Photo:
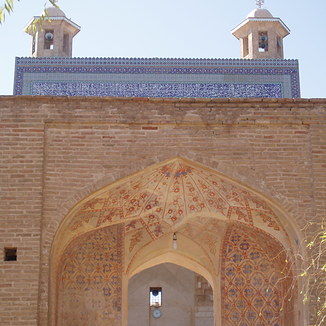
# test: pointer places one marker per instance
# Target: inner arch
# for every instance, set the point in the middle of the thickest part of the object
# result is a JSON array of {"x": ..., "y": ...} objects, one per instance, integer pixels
[{"x": 176, "y": 259}]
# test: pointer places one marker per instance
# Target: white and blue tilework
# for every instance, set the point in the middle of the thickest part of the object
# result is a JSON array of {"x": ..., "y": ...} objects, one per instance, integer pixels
[
  {"x": 185, "y": 90},
  {"x": 180, "y": 78}
]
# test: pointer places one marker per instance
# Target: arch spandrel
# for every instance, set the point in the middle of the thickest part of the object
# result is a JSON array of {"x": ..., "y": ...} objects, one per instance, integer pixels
[{"x": 163, "y": 197}]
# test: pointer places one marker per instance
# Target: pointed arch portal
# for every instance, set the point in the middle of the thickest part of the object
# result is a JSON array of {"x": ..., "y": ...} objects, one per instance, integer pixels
[{"x": 239, "y": 240}]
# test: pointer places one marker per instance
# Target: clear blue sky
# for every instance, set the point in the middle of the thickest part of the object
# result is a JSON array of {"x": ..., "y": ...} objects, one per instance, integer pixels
[{"x": 173, "y": 29}]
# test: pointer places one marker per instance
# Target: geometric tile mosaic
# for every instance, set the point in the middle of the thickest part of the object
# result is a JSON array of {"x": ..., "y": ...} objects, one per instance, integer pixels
[
  {"x": 255, "y": 280},
  {"x": 174, "y": 78}
]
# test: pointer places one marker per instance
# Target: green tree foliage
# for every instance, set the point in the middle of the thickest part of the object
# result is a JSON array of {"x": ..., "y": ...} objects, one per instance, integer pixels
[{"x": 7, "y": 7}]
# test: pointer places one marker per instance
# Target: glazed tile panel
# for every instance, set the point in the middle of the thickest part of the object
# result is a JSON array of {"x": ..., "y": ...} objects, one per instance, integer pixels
[
  {"x": 157, "y": 89},
  {"x": 171, "y": 78}
]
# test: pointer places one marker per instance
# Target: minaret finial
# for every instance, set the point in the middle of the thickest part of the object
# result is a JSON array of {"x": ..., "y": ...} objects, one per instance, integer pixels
[{"x": 260, "y": 3}]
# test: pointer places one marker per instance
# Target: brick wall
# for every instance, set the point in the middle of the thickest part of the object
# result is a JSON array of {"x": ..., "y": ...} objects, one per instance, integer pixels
[
  {"x": 56, "y": 151},
  {"x": 21, "y": 157}
]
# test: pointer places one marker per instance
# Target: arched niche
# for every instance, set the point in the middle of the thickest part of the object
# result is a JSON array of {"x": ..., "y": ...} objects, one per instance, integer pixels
[
  {"x": 175, "y": 196},
  {"x": 177, "y": 259}
]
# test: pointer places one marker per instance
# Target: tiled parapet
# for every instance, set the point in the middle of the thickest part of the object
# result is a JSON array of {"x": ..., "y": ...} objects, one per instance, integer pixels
[{"x": 171, "y": 78}]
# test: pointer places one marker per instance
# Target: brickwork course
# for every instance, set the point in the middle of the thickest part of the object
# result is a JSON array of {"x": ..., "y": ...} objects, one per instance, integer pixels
[{"x": 56, "y": 151}]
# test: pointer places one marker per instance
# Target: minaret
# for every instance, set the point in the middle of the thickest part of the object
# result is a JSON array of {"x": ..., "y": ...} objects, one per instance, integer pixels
[
  {"x": 52, "y": 36},
  {"x": 261, "y": 35}
]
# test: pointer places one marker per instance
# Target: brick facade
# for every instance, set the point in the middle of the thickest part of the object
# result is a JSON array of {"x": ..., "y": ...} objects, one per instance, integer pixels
[{"x": 56, "y": 151}]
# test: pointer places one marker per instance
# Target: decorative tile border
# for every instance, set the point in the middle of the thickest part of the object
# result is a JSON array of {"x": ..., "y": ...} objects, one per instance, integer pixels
[
  {"x": 169, "y": 90},
  {"x": 73, "y": 71},
  {"x": 156, "y": 61}
]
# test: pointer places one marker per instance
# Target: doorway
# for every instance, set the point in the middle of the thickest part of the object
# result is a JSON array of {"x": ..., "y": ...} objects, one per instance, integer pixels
[{"x": 168, "y": 294}]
